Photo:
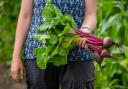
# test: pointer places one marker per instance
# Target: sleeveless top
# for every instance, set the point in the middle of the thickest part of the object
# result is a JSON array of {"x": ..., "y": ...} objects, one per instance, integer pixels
[{"x": 72, "y": 7}]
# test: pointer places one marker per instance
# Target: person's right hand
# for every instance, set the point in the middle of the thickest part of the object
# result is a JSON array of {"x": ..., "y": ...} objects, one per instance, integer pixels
[{"x": 17, "y": 69}]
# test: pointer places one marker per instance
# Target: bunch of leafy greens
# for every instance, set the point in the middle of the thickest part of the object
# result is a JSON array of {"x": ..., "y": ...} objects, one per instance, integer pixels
[{"x": 56, "y": 35}]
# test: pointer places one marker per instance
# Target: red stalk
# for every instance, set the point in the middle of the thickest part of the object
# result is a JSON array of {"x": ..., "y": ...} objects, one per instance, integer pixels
[
  {"x": 89, "y": 36},
  {"x": 95, "y": 43},
  {"x": 95, "y": 48}
]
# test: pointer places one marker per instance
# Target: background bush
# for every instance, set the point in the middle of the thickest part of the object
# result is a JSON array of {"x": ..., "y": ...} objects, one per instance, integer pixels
[{"x": 112, "y": 16}]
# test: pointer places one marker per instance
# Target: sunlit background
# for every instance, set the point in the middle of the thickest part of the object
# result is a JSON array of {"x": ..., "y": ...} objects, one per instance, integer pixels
[{"x": 112, "y": 20}]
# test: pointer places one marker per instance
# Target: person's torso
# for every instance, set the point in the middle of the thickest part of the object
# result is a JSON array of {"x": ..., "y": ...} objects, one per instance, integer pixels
[{"x": 72, "y": 7}]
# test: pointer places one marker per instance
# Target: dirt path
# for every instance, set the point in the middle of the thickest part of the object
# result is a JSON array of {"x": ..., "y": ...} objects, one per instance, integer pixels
[{"x": 6, "y": 82}]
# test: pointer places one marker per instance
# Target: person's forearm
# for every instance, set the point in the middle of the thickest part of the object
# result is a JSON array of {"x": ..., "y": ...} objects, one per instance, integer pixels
[
  {"x": 21, "y": 33},
  {"x": 90, "y": 20},
  {"x": 23, "y": 25}
]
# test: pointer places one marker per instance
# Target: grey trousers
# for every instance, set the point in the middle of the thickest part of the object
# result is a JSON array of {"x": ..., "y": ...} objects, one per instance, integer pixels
[{"x": 71, "y": 76}]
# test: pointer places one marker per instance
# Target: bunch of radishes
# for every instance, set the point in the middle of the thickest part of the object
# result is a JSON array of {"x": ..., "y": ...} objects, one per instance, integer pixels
[{"x": 99, "y": 46}]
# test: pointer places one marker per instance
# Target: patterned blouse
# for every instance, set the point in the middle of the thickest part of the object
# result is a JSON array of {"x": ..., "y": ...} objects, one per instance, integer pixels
[{"x": 72, "y": 7}]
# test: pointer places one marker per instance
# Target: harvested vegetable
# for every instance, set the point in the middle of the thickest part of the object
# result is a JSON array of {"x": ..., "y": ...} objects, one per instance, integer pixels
[
  {"x": 94, "y": 43},
  {"x": 56, "y": 35},
  {"x": 105, "y": 53},
  {"x": 98, "y": 46},
  {"x": 108, "y": 42},
  {"x": 98, "y": 57}
]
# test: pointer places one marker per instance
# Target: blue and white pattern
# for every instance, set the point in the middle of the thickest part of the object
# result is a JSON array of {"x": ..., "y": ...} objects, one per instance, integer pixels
[{"x": 72, "y": 7}]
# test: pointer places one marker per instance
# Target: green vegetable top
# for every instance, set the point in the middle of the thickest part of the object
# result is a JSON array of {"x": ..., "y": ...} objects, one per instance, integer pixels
[{"x": 57, "y": 36}]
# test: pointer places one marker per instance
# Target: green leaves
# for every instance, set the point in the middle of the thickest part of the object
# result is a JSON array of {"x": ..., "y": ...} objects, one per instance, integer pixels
[
  {"x": 39, "y": 52},
  {"x": 53, "y": 39},
  {"x": 59, "y": 60},
  {"x": 41, "y": 37},
  {"x": 56, "y": 34},
  {"x": 48, "y": 13}
]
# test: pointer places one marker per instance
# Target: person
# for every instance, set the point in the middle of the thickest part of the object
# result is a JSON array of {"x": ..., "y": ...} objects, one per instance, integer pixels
[{"x": 79, "y": 72}]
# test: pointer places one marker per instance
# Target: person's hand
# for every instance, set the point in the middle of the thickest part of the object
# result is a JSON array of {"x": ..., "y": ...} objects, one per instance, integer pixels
[
  {"x": 17, "y": 69},
  {"x": 86, "y": 30},
  {"x": 82, "y": 43},
  {"x": 83, "y": 40}
]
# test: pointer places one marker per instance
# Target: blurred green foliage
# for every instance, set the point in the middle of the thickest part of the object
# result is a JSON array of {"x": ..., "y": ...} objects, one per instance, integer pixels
[
  {"x": 112, "y": 18},
  {"x": 113, "y": 21},
  {"x": 9, "y": 10}
]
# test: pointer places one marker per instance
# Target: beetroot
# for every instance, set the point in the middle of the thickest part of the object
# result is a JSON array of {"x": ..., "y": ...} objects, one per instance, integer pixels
[
  {"x": 98, "y": 46},
  {"x": 108, "y": 42},
  {"x": 98, "y": 57},
  {"x": 106, "y": 53}
]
